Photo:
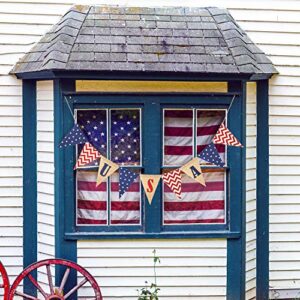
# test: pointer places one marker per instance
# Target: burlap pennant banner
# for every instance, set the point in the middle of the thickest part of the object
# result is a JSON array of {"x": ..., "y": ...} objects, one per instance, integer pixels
[
  {"x": 74, "y": 137},
  {"x": 106, "y": 168},
  {"x": 150, "y": 183},
  {"x": 173, "y": 180},
  {"x": 87, "y": 155},
  {"x": 225, "y": 136},
  {"x": 193, "y": 170}
]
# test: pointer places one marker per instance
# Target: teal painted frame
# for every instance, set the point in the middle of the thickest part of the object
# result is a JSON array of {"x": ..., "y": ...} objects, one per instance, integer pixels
[
  {"x": 65, "y": 249},
  {"x": 236, "y": 248},
  {"x": 262, "y": 191},
  {"x": 29, "y": 102},
  {"x": 154, "y": 103}
]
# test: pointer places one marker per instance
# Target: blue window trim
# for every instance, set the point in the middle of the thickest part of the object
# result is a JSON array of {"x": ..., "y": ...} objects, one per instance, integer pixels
[
  {"x": 262, "y": 191},
  {"x": 65, "y": 249},
  {"x": 29, "y": 180},
  {"x": 236, "y": 248},
  {"x": 153, "y": 226}
]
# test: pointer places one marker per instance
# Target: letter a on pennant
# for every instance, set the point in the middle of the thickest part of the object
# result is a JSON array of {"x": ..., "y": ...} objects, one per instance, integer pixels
[
  {"x": 106, "y": 168},
  {"x": 150, "y": 183},
  {"x": 193, "y": 170}
]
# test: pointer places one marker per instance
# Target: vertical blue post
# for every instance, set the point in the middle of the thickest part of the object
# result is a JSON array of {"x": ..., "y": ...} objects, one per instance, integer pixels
[
  {"x": 262, "y": 191},
  {"x": 63, "y": 248},
  {"x": 236, "y": 265},
  {"x": 29, "y": 179},
  {"x": 153, "y": 212}
]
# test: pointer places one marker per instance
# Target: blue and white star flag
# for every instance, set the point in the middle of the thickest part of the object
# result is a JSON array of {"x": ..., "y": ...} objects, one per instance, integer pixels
[
  {"x": 74, "y": 137},
  {"x": 211, "y": 154},
  {"x": 127, "y": 177},
  {"x": 125, "y": 137},
  {"x": 94, "y": 125}
]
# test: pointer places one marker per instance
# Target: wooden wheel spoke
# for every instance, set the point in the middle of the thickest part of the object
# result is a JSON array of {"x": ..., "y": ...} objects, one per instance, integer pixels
[
  {"x": 75, "y": 288},
  {"x": 66, "y": 288},
  {"x": 64, "y": 280},
  {"x": 26, "y": 296},
  {"x": 36, "y": 284},
  {"x": 50, "y": 281}
]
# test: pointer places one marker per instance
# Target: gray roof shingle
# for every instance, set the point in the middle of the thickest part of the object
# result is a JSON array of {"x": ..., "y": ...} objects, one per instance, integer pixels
[{"x": 170, "y": 39}]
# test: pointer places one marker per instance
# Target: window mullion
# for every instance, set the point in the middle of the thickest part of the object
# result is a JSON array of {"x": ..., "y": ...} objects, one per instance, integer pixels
[
  {"x": 152, "y": 162},
  {"x": 108, "y": 154}
]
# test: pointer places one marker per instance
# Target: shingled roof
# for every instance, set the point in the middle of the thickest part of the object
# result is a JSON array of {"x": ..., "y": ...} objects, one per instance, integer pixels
[{"x": 168, "y": 39}]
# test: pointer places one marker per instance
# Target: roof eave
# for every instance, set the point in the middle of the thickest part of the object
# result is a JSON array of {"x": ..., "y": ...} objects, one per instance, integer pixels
[{"x": 135, "y": 75}]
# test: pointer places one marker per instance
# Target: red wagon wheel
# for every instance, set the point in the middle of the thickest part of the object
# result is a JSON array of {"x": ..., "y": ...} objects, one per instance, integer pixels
[
  {"x": 4, "y": 282},
  {"x": 55, "y": 292}
]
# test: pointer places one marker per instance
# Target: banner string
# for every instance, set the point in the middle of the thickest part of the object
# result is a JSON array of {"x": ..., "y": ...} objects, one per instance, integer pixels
[
  {"x": 231, "y": 102},
  {"x": 70, "y": 109}
]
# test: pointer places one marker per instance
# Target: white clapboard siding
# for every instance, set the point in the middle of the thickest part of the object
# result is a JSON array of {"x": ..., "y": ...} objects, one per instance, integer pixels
[
  {"x": 45, "y": 175},
  {"x": 277, "y": 31},
  {"x": 11, "y": 221},
  {"x": 194, "y": 269},
  {"x": 251, "y": 192}
]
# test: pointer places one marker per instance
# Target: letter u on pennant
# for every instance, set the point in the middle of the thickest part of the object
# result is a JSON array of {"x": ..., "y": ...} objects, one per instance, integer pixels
[{"x": 106, "y": 168}]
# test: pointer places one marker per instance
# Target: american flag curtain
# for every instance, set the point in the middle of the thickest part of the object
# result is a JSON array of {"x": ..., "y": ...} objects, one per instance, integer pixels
[
  {"x": 186, "y": 134},
  {"x": 91, "y": 199},
  {"x": 179, "y": 135},
  {"x": 198, "y": 204},
  {"x": 101, "y": 205},
  {"x": 94, "y": 208}
]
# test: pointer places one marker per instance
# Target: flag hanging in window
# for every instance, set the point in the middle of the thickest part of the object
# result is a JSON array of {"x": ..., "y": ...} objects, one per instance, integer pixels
[
  {"x": 198, "y": 203},
  {"x": 91, "y": 199}
]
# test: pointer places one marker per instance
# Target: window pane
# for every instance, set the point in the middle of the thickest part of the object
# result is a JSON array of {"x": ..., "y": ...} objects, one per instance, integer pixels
[
  {"x": 91, "y": 200},
  {"x": 208, "y": 123},
  {"x": 126, "y": 210},
  {"x": 199, "y": 204},
  {"x": 125, "y": 136},
  {"x": 178, "y": 136},
  {"x": 94, "y": 125}
]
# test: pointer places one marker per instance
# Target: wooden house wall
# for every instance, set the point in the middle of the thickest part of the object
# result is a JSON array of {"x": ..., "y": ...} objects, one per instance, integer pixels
[
  {"x": 45, "y": 175},
  {"x": 273, "y": 25}
]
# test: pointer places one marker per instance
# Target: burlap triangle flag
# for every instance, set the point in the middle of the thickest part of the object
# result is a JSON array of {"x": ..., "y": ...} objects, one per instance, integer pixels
[
  {"x": 193, "y": 170},
  {"x": 150, "y": 183},
  {"x": 225, "y": 137},
  {"x": 106, "y": 168}
]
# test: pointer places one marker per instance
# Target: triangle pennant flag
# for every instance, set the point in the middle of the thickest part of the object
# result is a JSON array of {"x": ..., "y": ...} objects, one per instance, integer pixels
[
  {"x": 126, "y": 178},
  {"x": 193, "y": 170},
  {"x": 225, "y": 137},
  {"x": 74, "y": 137},
  {"x": 211, "y": 155},
  {"x": 106, "y": 168},
  {"x": 87, "y": 155},
  {"x": 150, "y": 183},
  {"x": 173, "y": 181}
]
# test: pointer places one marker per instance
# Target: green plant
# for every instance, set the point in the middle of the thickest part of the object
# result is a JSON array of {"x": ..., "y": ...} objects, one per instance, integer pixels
[{"x": 150, "y": 292}]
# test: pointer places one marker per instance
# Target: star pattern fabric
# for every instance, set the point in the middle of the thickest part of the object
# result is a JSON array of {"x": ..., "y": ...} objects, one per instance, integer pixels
[
  {"x": 125, "y": 137},
  {"x": 74, "y": 137},
  {"x": 94, "y": 125},
  {"x": 127, "y": 177},
  {"x": 211, "y": 155}
]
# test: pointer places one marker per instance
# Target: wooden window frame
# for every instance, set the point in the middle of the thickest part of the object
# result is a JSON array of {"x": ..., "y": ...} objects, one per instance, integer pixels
[{"x": 152, "y": 215}]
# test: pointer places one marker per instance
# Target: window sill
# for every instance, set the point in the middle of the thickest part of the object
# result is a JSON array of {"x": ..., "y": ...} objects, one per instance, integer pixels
[{"x": 163, "y": 235}]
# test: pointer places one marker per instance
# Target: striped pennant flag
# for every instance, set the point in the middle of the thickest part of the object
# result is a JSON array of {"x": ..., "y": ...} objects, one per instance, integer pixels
[
  {"x": 225, "y": 137},
  {"x": 87, "y": 155},
  {"x": 173, "y": 181}
]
